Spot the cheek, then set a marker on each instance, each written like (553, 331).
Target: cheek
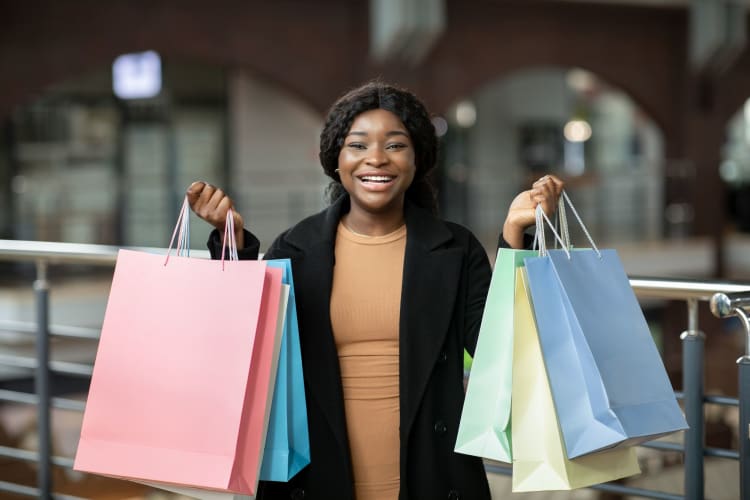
(413, 167)
(344, 159)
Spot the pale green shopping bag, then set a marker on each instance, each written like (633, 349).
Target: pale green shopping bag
(539, 460)
(485, 429)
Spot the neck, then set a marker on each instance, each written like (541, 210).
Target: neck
(369, 224)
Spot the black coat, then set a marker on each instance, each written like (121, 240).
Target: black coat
(445, 282)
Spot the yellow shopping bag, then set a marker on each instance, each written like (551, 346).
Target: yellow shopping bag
(539, 460)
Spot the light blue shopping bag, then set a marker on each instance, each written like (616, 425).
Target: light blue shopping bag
(287, 448)
(608, 381)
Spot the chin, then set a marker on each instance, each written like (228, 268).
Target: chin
(379, 206)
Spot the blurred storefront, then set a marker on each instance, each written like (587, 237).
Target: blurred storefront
(245, 86)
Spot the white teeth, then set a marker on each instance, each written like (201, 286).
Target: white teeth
(376, 178)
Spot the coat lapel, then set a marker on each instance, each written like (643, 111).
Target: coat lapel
(430, 283)
(313, 275)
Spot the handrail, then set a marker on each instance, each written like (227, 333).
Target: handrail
(71, 253)
(76, 332)
(683, 289)
(79, 253)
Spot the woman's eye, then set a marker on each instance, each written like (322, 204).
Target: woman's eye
(355, 145)
(396, 145)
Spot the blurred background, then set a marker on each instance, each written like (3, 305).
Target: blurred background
(109, 109)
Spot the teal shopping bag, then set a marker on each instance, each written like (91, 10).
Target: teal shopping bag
(485, 427)
(287, 448)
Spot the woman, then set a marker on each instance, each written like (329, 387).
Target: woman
(384, 329)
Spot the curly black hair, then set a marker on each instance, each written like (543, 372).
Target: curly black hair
(411, 112)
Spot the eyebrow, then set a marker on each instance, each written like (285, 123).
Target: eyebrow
(390, 133)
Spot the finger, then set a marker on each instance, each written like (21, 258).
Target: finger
(205, 196)
(216, 198)
(545, 199)
(238, 222)
(540, 181)
(194, 190)
(201, 205)
(547, 180)
(222, 208)
(554, 182)
(558, 183)
(196, 187)
(546, 189)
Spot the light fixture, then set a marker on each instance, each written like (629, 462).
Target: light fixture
(137, 76)
(577, 130)
(466, 114)
(441, 126)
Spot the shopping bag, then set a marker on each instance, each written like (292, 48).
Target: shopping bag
(287, 448)
(255, 396)
(539, 461)
(176, 394)
(607, 378)
(485, 426)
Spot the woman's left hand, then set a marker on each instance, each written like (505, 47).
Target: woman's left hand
(521, 214)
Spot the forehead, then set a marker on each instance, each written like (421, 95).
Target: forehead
(377, 119)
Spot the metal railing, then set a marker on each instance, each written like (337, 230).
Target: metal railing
(727, 299)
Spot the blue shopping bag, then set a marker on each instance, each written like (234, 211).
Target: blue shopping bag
(287, 448)
(608, 381)
(607, 378)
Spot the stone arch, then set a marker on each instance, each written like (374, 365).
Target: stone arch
(640, 51)
(487, 164)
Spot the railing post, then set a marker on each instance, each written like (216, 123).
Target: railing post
(42, 380)
(744, 434)
(692, 386)
(743, 369)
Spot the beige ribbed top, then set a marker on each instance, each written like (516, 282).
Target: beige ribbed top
(365, 312)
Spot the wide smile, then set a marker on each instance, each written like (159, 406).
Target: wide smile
(376, 182)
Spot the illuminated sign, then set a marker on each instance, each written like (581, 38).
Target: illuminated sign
(137, 76)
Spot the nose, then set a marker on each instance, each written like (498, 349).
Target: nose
(377, 157)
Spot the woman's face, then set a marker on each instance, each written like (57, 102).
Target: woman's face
(376, 162)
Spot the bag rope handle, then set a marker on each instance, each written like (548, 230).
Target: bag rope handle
(181, 231)
(229, 234)
(539, 236)
(564, 223)
(564, 236)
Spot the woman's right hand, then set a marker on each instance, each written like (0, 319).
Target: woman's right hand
(211, 204)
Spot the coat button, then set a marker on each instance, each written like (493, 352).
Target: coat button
(454, 495)
(440, 428)
(443, 357)
(297, 494)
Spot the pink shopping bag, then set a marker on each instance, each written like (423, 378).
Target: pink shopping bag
(256, 395)
(179, 392)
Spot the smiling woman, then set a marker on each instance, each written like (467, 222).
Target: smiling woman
(376, 167)
(388, 296)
